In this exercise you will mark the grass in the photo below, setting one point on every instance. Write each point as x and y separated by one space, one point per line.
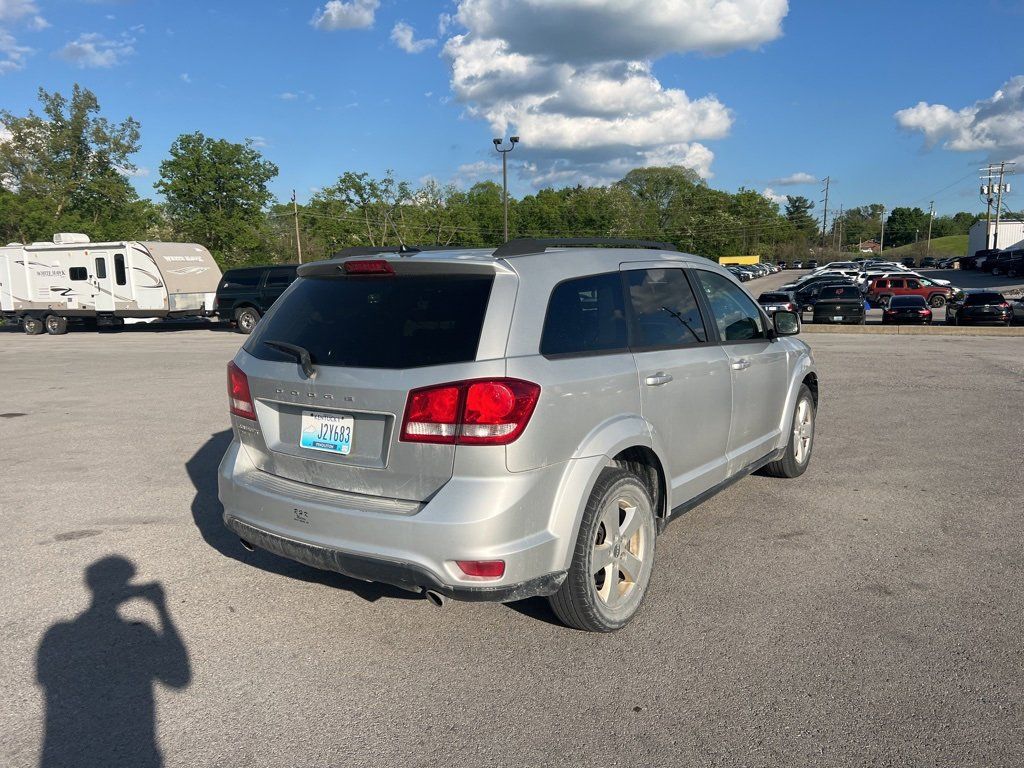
952 245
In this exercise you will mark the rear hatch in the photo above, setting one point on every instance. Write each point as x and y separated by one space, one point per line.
371 339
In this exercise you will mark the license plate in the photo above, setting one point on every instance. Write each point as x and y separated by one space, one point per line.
772 309
836 318
327 432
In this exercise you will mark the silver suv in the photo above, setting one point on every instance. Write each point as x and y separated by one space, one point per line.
501 424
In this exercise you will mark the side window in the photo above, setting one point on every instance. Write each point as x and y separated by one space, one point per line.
585 315
78 273
246 279
101 268
913 284
120 276
895 283
280 278
665 311
735 313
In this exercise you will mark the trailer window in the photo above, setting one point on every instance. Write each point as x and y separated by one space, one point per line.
120 277
101 268
78 273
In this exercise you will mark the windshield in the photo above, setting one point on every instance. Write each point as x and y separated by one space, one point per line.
897 302
403 321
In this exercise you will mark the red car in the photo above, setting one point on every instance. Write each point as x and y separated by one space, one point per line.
884 288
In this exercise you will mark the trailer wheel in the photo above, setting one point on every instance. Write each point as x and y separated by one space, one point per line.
56 325
246 319
32 326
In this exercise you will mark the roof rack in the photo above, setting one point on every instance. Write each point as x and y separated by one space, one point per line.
527 245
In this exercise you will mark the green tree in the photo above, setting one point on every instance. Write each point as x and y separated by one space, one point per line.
64 170
216 194
905 225
798 213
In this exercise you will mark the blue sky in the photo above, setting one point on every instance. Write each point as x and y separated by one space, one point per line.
784 89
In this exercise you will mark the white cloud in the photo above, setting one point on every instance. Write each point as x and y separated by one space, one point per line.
774 196
469 174
296 95
404 36
794 179
23 13
338 14
15 10
444 21
94 51
575 78
185 77
12 55
992 125
138 172
258 142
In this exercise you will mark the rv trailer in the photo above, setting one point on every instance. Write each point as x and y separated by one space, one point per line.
46 285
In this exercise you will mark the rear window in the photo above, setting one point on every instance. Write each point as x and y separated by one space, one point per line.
767 298
906 301
984 298
404 321
840 292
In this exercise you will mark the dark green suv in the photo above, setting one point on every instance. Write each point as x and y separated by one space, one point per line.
244 295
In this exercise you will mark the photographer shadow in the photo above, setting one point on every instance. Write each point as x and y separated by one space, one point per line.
207 513
98 673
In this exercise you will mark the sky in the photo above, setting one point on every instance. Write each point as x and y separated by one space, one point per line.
897 102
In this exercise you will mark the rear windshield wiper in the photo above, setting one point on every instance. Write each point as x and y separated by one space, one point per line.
299 353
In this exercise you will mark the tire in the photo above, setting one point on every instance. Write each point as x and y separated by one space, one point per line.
56 325
583 600
936 301
246 319
1011 272
797 456
32 326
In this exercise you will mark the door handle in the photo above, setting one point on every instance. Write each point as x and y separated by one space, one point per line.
658 379
741 365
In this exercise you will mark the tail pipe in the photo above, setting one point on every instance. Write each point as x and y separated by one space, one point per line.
247 546
435 598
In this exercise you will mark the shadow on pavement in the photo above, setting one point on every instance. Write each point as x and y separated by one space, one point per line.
207 513
97 673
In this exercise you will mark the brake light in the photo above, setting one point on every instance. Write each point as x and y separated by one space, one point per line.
479 412
1005 305
925 311
239 399
790 307
484 569
368 267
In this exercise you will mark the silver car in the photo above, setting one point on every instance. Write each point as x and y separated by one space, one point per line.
497 424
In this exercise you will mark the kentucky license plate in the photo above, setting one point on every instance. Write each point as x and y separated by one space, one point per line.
327 432
837 318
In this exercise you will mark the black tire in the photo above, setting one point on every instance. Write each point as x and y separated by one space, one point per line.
1011 272
56 325
936 301
32 326
246 319
579 603
789 465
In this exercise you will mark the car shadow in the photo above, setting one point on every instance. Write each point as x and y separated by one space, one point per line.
98 673
207 513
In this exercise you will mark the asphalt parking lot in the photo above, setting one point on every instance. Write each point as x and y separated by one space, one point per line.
868 613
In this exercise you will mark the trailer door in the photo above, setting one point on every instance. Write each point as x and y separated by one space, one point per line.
103 281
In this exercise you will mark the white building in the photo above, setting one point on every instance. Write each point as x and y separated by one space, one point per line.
1011 233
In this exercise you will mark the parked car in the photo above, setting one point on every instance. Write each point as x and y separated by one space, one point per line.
882 289
1009 263
812 264
470 423
245 294
1017 306
783 265
928 262
740 274
798 264
905 310
978 306
775 301
839 304
807 295
908 261
978 259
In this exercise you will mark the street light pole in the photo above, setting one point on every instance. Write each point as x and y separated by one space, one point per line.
512 141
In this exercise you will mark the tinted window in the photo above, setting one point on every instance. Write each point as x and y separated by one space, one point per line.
280 278
378 322
101 268
913 284
120 276
840 292
906 301
984 298
242 279
78 273
585 315
737 316
895 283
665 311
767 298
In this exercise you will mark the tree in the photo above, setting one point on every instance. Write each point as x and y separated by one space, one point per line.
905 225
798 213
65 170
216 193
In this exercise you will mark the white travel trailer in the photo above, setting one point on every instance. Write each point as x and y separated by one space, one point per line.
44 285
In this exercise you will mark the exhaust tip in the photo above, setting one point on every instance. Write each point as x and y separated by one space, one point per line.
247 546
435 598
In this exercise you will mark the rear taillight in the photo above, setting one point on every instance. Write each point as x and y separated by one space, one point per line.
790 307
483 569
239 398
890 311
925 311
480 412
1005 305
368 267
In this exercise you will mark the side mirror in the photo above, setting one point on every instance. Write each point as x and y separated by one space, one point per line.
786 323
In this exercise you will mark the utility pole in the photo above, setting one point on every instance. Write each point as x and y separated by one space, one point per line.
512 140
931 217
824 212
994 172
837 229
999 198
298 241
881 242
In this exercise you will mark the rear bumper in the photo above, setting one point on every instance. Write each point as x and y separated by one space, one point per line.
980 319
405 544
